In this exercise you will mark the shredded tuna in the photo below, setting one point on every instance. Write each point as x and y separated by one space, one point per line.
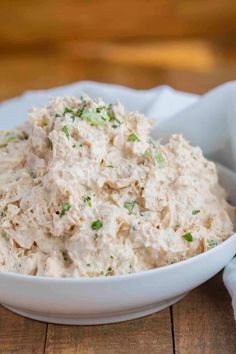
85 191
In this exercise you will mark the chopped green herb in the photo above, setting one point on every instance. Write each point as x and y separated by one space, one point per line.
110 166
99 109
7 138
111 257
87 199
157 156
67 110
74 146
160 159
45 122
212 243
66 131
78 113
195 212
57 115
188 237
113 119
129 206
109 269
93 117
133 137
80 145
88 265
5 235
65 207
96 225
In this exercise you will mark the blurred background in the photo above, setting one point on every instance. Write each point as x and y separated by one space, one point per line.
188 44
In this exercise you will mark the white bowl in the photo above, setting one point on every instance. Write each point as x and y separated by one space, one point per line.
86 301
110 299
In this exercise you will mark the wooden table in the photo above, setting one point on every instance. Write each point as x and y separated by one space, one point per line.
202 323
183 43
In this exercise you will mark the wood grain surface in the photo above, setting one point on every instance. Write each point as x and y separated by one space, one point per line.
21 335
149 334
201 323
27 22
188 44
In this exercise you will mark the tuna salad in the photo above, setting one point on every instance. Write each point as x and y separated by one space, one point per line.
86 191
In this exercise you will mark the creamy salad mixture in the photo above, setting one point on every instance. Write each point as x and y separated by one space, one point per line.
85 191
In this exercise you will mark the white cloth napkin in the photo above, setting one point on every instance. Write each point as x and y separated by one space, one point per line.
230 282
208 121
